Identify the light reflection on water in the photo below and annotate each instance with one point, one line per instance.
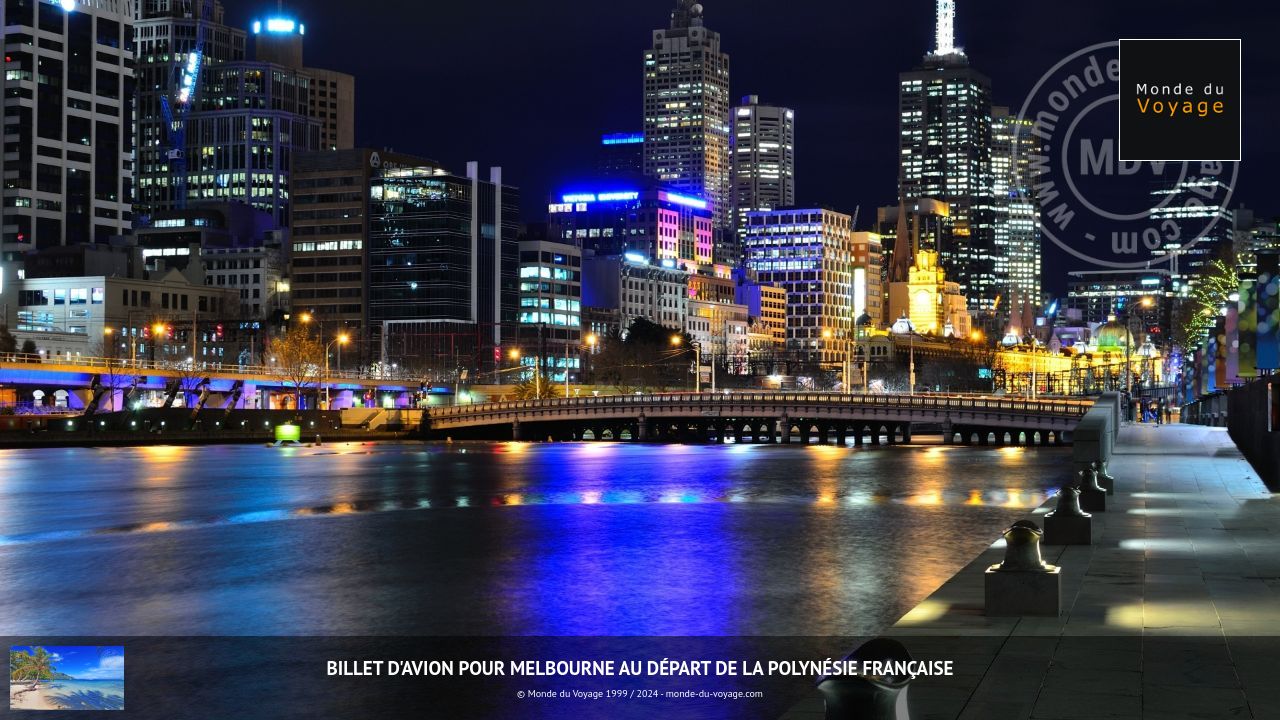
(504, 538)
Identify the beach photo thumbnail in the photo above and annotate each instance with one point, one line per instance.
(66, 677)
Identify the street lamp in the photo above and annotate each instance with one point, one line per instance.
(339, 341)
(157, 331)
(904, 326)
(677, 341)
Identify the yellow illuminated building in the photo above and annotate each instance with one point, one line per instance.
(934, 305)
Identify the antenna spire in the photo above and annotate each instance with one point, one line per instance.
(946, 31)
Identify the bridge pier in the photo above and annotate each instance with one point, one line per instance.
(906, 432)
(642, 428)
(784, 430)
(515, 430)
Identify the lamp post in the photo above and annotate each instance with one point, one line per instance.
(1146, 302)
(904, 326)
(676, 341)
(339, 341)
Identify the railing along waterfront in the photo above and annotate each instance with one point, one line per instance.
(958, 402)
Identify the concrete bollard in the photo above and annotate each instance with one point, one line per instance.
(1068, 524)
(864, 697)
(1024, 584)
(1105, 480)
(1093, 497)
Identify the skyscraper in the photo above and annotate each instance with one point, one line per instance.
(166, 35)
(1017, 216)
(764, 158)
(68, 87)
(686, 115)
(944, 141)
(443, 266)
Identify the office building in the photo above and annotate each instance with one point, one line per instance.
(924, 224)
(167, 32)
(68, 88)
(1016, 218)
(809, 253)
(657, 225)
(443, 272)
(944, 143)
(767, 308)
(116, 316)
(549, 336)
(227, 245)
(279, 41)
(621, 155)
(686, 115)
(764, 158)
(630, 287)
(1094, 296)
(868, 292)
(1194, 204)
(329, 228)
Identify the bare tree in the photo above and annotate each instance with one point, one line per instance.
(298, 358)
(115, 375)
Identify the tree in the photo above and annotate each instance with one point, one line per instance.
(298, 358)
(541, 387)
(1197, 315)
(646, 358)
(8, 343)
(29, 348)
(114, 374)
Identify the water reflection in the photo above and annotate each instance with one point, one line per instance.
(504, 538)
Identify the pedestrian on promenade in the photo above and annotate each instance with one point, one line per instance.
(1160, 411)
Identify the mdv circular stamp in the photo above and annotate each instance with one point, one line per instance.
(1095, 205)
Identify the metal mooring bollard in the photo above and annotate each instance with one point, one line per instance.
(868, 697)
(1024, 584)
(1105, 480)
(1022, 548)
(1093, 497)
(1068, 524)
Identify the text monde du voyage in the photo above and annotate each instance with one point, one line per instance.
(1180, 100)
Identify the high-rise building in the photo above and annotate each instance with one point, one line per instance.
(656, 225)
(686, 115)
(1017, 217)
(809, 253)
(332, 101)
(329, 225)
(247, 117)
(764, 158)
(1194, 204)
(166, 32)
(944, 142)
(443, 267)
(68, 87)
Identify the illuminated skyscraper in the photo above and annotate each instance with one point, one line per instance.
(686, 115)
(68, 86)
(944, 141)
(764, 158)
(1017, 216)
(166, 37)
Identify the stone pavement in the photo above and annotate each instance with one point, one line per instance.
(1173, 612)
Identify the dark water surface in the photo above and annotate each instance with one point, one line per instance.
(496, 539)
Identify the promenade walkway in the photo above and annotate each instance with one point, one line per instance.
(1173, 612)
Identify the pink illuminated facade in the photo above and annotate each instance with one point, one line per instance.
(658, 226)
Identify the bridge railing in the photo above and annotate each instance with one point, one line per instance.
(127, 365)
(1055, 406)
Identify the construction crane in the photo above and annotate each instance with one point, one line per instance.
(186, 86)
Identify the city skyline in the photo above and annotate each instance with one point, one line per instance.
(848, 124)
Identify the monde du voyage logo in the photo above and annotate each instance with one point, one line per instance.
(1133, 148)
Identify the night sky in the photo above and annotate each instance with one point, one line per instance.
(531, 85)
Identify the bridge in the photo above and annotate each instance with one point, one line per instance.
(766, 417)
(247, 386)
